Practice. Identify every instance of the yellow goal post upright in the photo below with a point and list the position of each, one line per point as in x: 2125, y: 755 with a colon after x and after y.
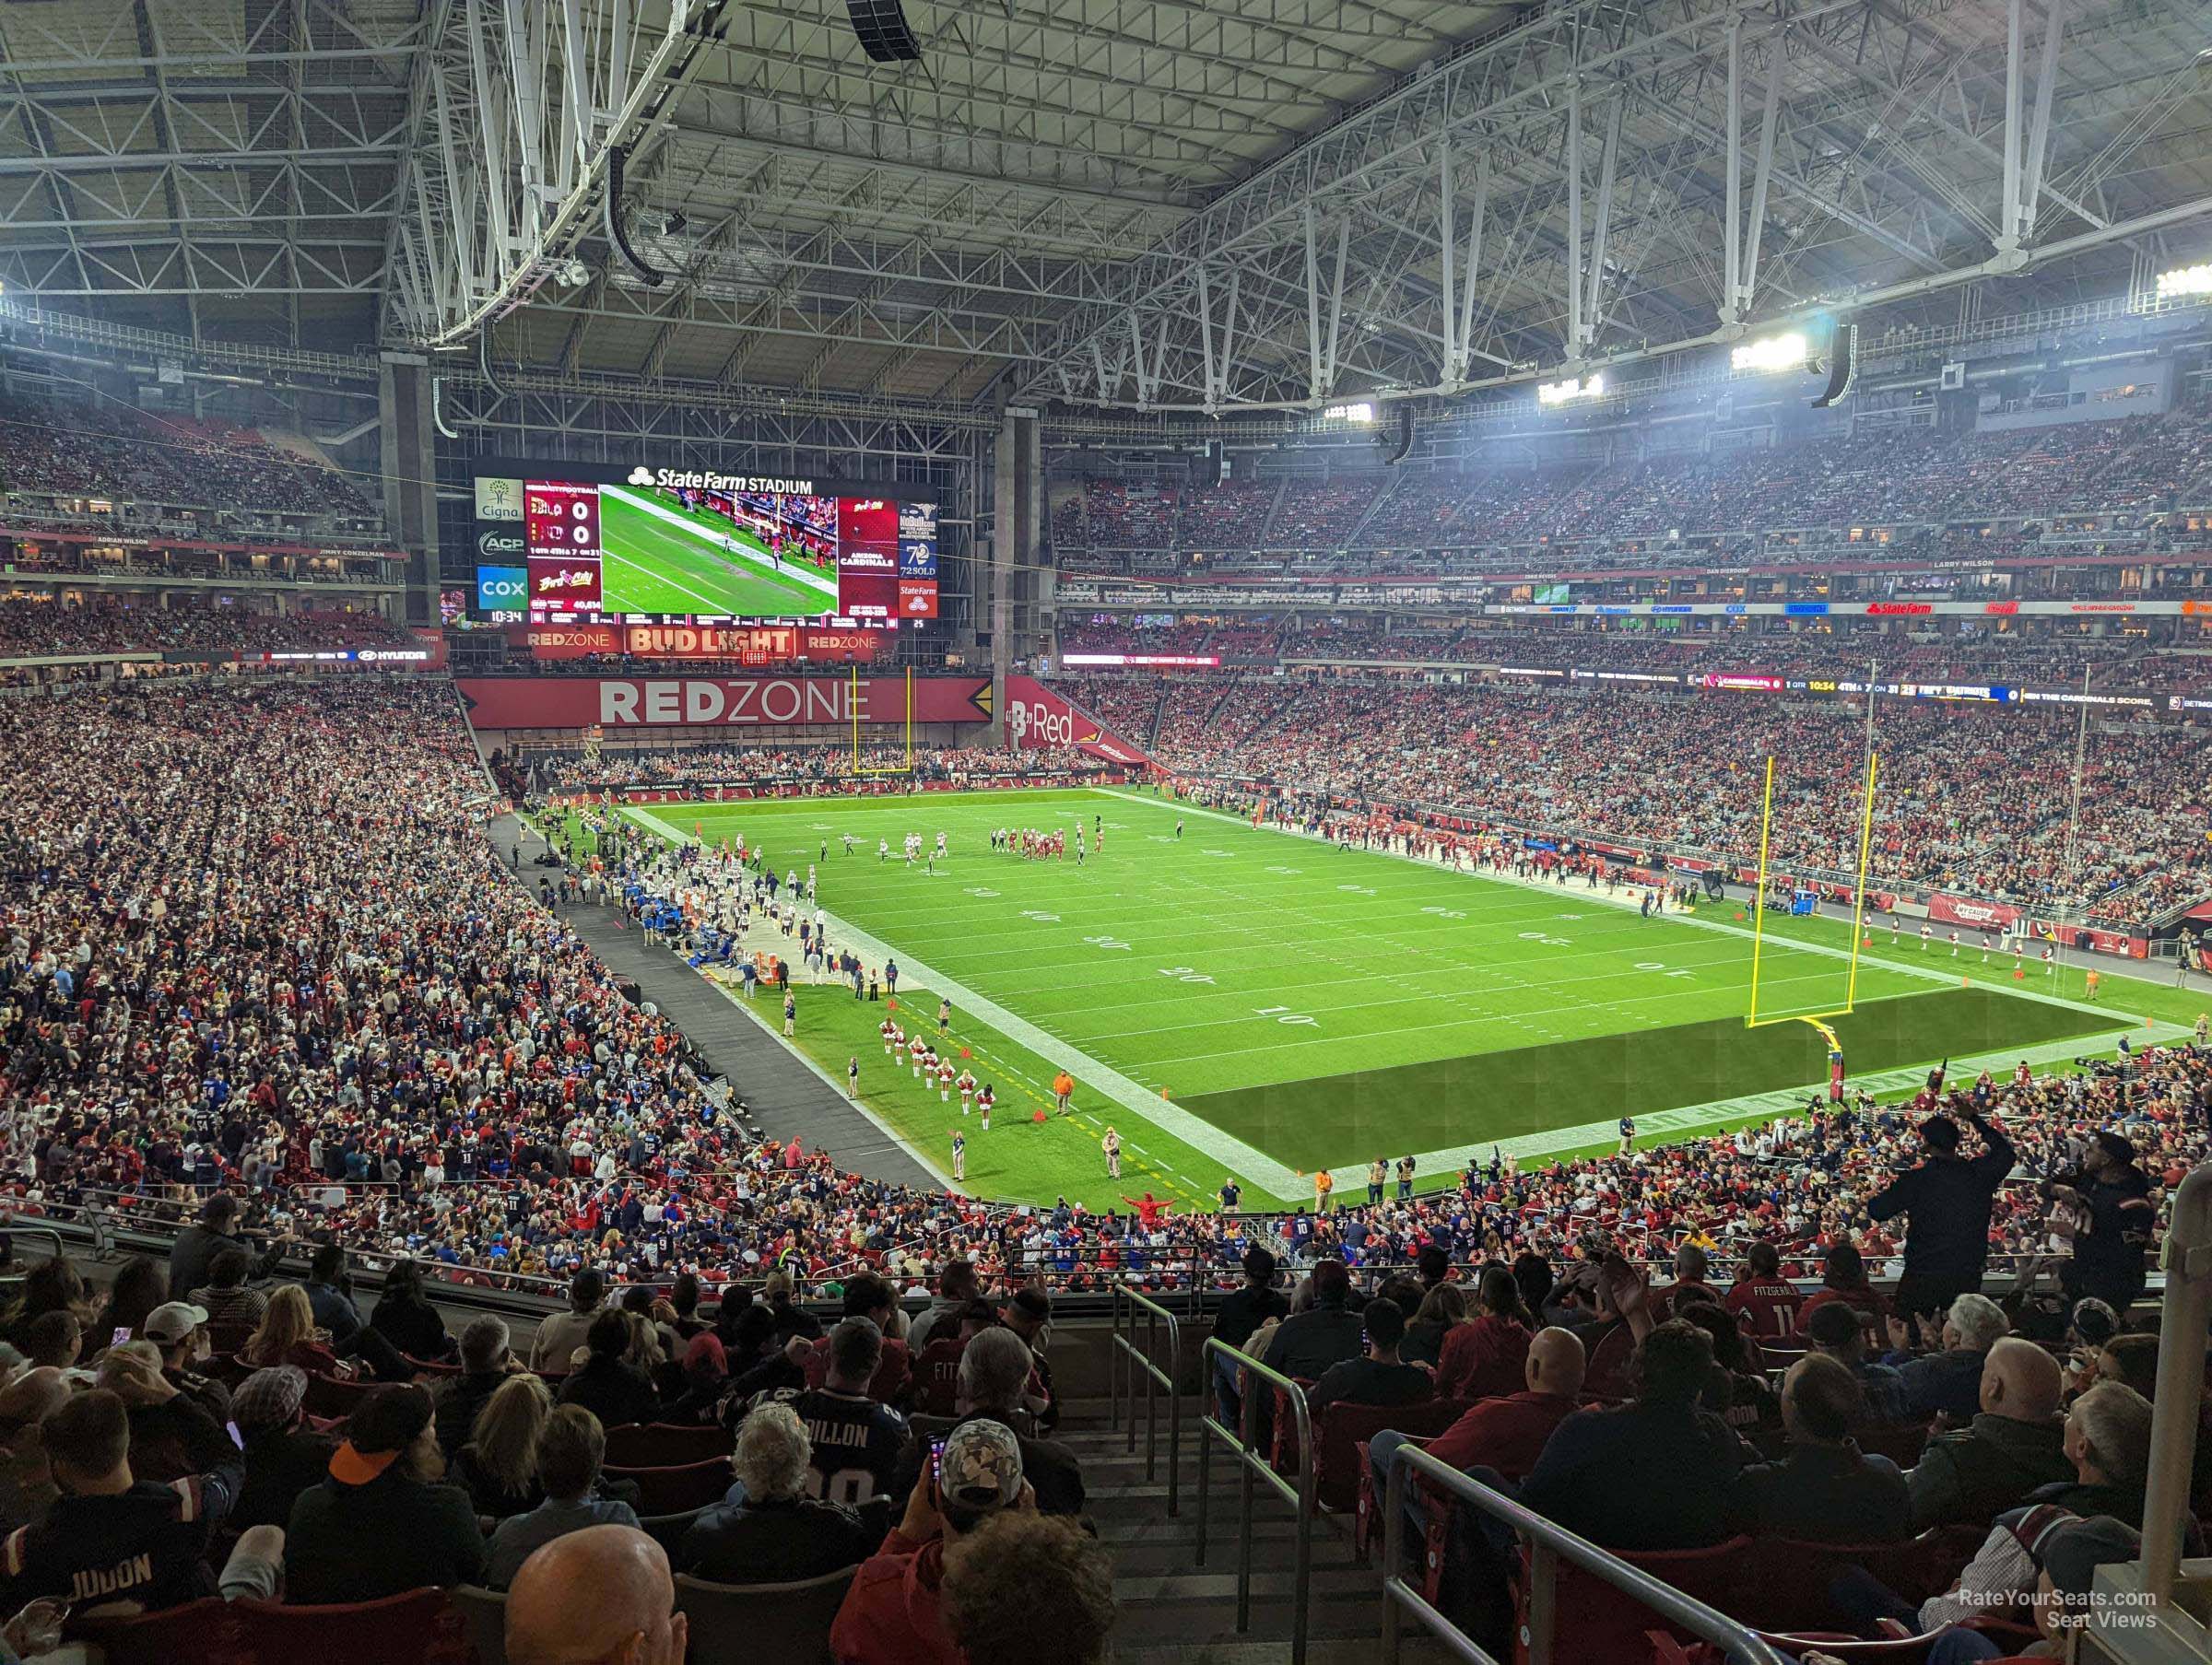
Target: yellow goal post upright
x: 1858, y: 909
x: 853, y: 706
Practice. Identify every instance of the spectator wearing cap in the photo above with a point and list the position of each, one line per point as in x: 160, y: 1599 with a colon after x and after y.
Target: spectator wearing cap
x: 2111, y: 1198
x: 770, y: 1531
x: 606, y: 1384
x: 1949, y: 1379
x: 197, y: 1245
x: 380, y: 1523
x: 995, y: 1374
x: 172, y: 1437
x: 570, y: 1448
x: 283, y: 1456
x: 485, y: 1364
x: 180, y: 1329
x: 1834, y: 1331
x: 1947, y: 1200
x: 601, y: 1596
x: 116, y: 1541
x: 891, y: 1615
x: 558, y: 1337
x: 1376, y: 1377
x: 1306, y: 1344
x: 1825, y: 1489
x: 2014, y: 1445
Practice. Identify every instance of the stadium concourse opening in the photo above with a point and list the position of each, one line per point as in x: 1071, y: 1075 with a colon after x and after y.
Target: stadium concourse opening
x: 1237, y: 1001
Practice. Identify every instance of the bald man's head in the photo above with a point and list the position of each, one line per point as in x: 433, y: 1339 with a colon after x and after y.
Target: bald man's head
x: 2022, y: 1381
x: 602, y: 1596
x: 1556, y: 1362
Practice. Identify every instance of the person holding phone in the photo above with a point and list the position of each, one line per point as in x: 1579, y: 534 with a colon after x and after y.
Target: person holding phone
x: 891, y: 1614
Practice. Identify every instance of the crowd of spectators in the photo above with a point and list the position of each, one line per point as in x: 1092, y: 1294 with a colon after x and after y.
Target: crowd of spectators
x: 2117, y: 471
x: 114, y: 452
x: 34, y: 628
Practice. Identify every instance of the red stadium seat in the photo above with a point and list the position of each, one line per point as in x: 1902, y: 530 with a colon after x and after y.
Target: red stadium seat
x: 327, y: 1396
x: 1344, y: 1430
x: 671, y: 1491
x: 199, y: 1633
x: 664, y: 1445
x: 419, y: 1626
x: 1593, y: 1621
x: 1282, y: 1449
x: 1607, y: 1374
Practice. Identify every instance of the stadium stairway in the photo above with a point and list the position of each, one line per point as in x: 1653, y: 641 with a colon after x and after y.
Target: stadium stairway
x: 1174, y: 1611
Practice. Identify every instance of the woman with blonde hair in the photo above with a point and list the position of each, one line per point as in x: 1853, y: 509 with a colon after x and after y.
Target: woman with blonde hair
x: 1440, y: 1309
x: 287, y: 1335
x: 499, y: 1465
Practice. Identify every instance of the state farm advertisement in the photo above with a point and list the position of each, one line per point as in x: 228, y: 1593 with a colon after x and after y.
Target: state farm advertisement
x: 917, y: 598
x: 1967, y: 910
x: 634, y: 702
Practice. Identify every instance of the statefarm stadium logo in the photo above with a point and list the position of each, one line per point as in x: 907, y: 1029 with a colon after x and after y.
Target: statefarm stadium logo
x: 694, y: 479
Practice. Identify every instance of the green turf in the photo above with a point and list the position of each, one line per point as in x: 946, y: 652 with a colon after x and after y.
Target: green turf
x: 1533, y: 1089
x: 1320, y: 1003
x: 652, y: 566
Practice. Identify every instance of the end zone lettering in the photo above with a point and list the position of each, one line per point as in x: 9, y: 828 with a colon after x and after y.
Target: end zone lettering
x: 695, y: 701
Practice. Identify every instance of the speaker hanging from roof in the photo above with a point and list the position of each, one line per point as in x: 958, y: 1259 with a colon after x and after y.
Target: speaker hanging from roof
x: 1843, y: 365
x: 1404, y: 445
x: 885, y: 34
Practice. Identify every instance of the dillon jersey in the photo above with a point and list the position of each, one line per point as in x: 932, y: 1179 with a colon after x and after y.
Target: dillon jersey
x: 856, y: 1441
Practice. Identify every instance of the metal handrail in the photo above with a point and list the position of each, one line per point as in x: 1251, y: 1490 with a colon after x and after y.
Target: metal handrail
x: 1122, y: 1367
x: 2187, y: 1259
x: 1255, y: 1464
x: 1547, y: 1543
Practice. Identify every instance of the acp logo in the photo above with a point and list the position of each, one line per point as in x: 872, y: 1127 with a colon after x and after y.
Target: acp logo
x: 640, y: 476
x: 498, y: 543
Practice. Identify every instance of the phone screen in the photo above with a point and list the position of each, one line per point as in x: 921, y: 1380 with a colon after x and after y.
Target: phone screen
x: 237, y: 1438
x: 122, y: 1334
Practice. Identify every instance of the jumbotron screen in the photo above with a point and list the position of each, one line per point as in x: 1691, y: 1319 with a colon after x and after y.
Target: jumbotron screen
x: 665, y: 544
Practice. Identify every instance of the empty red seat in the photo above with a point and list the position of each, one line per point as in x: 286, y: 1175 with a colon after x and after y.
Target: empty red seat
x: 1594, y: 1621
x: 418, y: 1625
x: 1344, y: 1430
x: 199, y: 1633
x: 672, y: 1490
x: 664, y: 1445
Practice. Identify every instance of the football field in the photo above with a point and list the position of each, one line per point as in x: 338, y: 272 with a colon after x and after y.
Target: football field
x: 662, y: 558
x: 1249, y: 1003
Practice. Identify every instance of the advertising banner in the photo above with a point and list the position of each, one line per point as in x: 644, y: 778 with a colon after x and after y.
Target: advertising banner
x: 1039, y: 716
x: 917, y: 598
x: 1967, y: 910
x: 633, y: 702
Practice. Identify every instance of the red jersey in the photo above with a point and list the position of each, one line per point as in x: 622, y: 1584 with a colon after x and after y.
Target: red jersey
x: 1767, y: 1307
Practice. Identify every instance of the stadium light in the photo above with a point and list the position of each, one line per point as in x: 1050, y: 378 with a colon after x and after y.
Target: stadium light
x: 2185, y: 280
x: 1562, y: 392
x: 1769, y: 354
x: 1361, y: 412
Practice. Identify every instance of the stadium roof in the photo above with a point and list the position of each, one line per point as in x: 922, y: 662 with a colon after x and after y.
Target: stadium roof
x: 1169, y: 203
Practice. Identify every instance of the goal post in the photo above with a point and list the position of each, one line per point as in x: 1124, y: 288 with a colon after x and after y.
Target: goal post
x: 1858, y: 906
x: 852, y: 706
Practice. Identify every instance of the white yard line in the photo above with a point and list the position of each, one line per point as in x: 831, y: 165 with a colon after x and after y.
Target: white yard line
x: 1246, y: 1161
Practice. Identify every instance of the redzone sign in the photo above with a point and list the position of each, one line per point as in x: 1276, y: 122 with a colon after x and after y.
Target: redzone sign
x: 577, y: 702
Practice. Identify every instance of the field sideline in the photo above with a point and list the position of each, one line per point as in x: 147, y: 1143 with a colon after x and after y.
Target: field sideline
x: 1250, y: 1002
